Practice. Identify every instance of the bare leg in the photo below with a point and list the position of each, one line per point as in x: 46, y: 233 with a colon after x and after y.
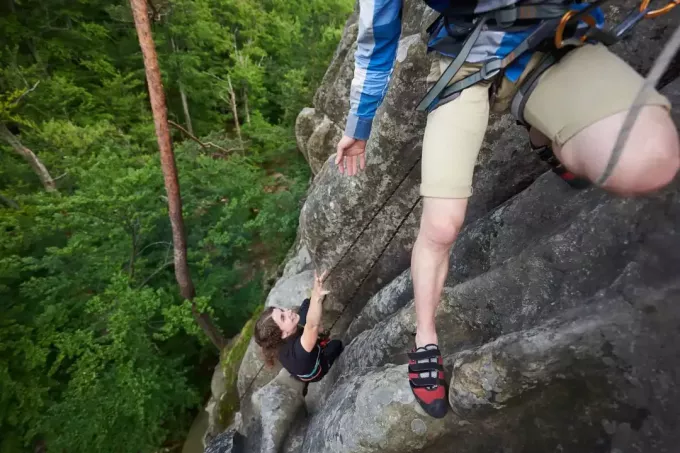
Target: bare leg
x: 439, y: 226
x: 650, y: 158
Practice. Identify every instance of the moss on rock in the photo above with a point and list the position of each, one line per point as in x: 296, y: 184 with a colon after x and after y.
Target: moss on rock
x: 230, y: 360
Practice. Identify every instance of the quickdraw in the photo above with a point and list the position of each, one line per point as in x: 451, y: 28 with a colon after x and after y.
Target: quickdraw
x: 607, y: 38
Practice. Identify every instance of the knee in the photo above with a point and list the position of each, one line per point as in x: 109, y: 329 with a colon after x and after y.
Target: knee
x: 439, y: 227
x: 651, y: 157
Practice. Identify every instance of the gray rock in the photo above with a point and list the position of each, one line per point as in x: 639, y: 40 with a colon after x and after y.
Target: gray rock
x: 534, y: 390
x: 253, y: 373
x: 374, y: 411
x: 296, y: 436
x: 385, y: 303
x: 298, y: 263
x: 230, y: 441
x: 339, y: 212
x: 559, y: 311
x: 317, y: 137
x: 290, y: 292
x: 305, y: 124
x: 349, y: 223
x: 274, y: 408
x: 214, y: 424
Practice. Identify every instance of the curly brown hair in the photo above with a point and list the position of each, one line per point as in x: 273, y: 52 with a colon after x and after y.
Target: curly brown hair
x: 268, y: 336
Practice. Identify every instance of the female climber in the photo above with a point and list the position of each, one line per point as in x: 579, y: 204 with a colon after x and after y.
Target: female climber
x: 296, y: 339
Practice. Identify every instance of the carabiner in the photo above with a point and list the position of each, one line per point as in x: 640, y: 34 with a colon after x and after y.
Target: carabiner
x: 559, y: 33
x: 644, y: 7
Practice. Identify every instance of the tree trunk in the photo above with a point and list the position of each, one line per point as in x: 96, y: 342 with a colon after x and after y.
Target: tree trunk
x: 160, y: 115
x: 30, y: 157
x: 235, y: 112
x: 245, y: 104
x: 185, y: 106
x: 183, y: 96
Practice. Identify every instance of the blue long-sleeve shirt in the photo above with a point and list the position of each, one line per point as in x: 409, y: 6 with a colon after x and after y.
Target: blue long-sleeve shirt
x: 377, y: 42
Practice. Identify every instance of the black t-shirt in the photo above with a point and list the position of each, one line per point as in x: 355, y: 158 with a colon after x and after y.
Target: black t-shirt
x: 293, y: 356
x: 304, y: 308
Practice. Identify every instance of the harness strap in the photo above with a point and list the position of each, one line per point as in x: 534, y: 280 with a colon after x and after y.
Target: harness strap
x: 492, y: 68
x: 455, y: 65
x: 316, y: 371
x: 428, y: 381
x: 551, y: 16
x: 525, y: 89
x: 425, y: 366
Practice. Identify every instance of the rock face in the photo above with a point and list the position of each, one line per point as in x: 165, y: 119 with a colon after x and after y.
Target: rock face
x: 363, y: 228
x: 271, y: 413
x: 230, y: 441
x: 559, y: 315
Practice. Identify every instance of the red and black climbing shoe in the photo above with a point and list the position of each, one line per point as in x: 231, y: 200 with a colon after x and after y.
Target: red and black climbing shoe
x: 426, y: 377
x: 546, y: 154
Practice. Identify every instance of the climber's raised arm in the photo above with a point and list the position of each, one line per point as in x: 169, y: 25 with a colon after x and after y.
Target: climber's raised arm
x: 313, y: 322
x: 377, y: 42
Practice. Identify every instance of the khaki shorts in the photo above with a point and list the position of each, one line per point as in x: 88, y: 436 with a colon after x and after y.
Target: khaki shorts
x: 587, y: 85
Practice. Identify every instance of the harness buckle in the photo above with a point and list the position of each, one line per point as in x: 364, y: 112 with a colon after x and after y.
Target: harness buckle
x: 560, y: 42
x: 490, y: 69
x: 644, y: 8
x: 506, y: 17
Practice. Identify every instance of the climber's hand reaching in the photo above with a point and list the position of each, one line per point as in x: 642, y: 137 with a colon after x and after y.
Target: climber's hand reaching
x: 351, y: 155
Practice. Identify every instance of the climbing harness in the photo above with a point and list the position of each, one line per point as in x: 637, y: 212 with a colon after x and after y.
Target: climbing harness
x: 548, y: 17
x: 558, y: 32
x: 551, y: 24
x: 563, y: 46
x: 316, y: 372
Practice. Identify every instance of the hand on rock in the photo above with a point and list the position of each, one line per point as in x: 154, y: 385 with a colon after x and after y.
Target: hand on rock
x: 351, y: 155
x: 317, y: 291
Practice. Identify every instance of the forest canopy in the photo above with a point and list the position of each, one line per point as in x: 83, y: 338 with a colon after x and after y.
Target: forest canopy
x: 98, y: 352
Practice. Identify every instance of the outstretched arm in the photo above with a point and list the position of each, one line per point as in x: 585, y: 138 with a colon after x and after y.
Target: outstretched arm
x: 379, y: 32
x: 313, y: 325
x: 377, y: 42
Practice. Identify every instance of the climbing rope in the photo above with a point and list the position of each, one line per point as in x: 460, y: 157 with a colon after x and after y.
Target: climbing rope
x: 658, y: 69
x: 370, y: 269
x: 351, y: 246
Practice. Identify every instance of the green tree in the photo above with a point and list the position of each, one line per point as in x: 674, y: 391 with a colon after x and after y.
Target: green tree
x: 97, y: 350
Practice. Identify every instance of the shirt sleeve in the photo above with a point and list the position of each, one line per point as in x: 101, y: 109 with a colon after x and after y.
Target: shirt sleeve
x: 377, y: 43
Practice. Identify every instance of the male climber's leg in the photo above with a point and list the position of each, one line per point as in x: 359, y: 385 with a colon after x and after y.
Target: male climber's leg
x: 581, y: 103
x: 649, y: 160
x: 453, y: 138
x: 440, y: 223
